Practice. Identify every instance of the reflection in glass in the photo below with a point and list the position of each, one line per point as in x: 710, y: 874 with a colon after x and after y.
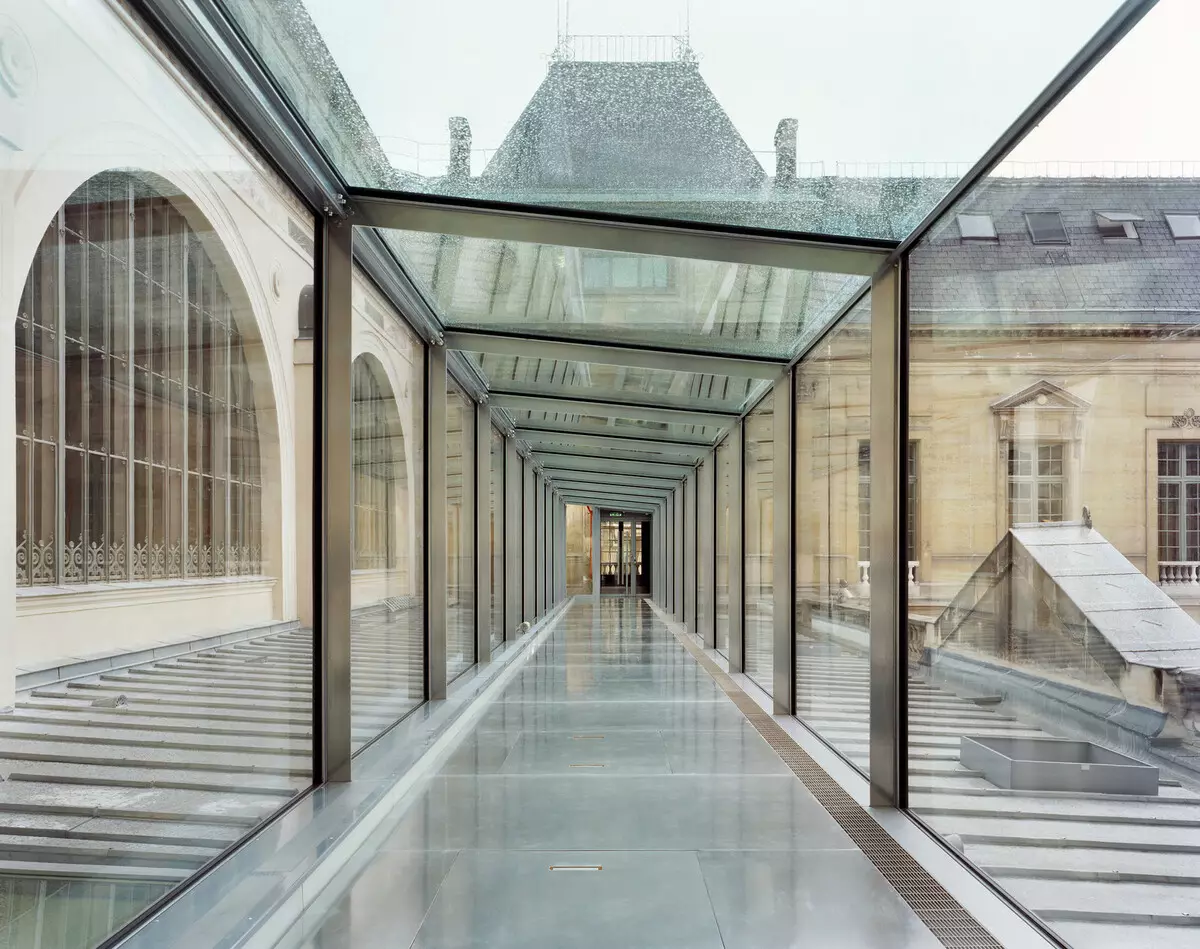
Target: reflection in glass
x: 579, y: 549
x: 727, y: 520
x: 460, y: 531
x: 531, y: 288
x: 1053, y: 609
x: 758, y: 440
x: 386, y: 584
x: 832, y: 531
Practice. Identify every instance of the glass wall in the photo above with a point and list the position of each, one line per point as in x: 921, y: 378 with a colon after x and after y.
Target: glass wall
x: 727, y: 520
x: 579, y: 549
x: 387, y: 623
x: 460, y: 531
x: 758, y: 439
x: 832, y: 419
x: 1054, y: 481
x: 497, y: 537
x: 157, y: 455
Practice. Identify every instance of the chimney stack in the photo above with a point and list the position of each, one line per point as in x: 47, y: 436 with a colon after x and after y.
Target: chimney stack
x: 460, y: 149
x: 785, y: 151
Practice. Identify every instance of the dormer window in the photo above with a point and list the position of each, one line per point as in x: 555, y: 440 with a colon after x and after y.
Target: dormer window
x: 1046, y: 227
x: 1184, y: 227
x: 977, y: 227
x: 1117, y: 225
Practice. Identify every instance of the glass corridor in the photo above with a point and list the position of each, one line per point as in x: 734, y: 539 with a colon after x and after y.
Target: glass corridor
x: 685, y: 423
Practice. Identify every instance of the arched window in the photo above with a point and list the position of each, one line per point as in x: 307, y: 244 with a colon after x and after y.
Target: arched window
x: 379, y: 470
x: 137, y: 440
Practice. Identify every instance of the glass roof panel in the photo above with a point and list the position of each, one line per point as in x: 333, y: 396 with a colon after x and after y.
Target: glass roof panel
x: 630, y: 299
x: 852, y: 117
x: 568, y: 378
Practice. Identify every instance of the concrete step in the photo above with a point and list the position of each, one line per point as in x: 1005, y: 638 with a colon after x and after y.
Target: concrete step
x: 152, y: 755
x: 148, y: 803
x: 1085, y: 900
x: 1064, y: 833
x: 1098, y: 863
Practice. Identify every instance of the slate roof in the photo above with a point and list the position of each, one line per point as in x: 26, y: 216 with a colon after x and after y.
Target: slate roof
x: 1152, y: 280
x: 624, y: 127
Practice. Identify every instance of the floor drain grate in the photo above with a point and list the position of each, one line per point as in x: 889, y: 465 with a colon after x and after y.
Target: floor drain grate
x: 953, y: 926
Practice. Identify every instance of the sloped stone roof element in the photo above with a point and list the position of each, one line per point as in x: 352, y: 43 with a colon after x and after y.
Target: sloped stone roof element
x: 625, y: 127
x: 1137, y: 618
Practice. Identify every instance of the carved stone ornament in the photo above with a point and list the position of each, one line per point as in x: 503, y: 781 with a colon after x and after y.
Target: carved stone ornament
x: 18, y: 74
x: 1189, y: 419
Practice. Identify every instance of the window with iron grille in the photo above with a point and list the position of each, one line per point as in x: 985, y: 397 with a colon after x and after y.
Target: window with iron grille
x: 864, y: 501
x: 1179, y: 501
x: 1036, y: 482
x: 137, y: 448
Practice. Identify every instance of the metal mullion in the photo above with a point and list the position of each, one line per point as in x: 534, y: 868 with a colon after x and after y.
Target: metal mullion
x: 537, y: 426
x: 513, y: 528
x: 565, y: 392
x: 689, y: 552
x: 532, y: 433
x: 333, y: 503
x: 889, y: 589
x: 599, y: 477
x: 483, y: 534
x: 737, y: 554
x: 567, y: 460
x: 783, y: 586
x: 690, y: 457
x: 60, y: 454
x: 436, y: 569
x: 602, y: 408
x: 593, y: 230
x: 550, y: 346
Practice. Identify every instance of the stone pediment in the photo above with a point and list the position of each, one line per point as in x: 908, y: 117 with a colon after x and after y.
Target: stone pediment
x: 1042, y: 394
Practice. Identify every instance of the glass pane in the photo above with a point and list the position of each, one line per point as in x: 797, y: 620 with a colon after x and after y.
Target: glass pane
x: 159, y: 534
x: 759, y: 539
x: 460, y: 531
x: 1051, y: 647
x: 629, y: 109
x: 387, y: 627
x: 833, y: 559
x: 535, y: 289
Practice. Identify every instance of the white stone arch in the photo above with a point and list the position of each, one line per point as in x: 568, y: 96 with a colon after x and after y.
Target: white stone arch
x: 78, y: 154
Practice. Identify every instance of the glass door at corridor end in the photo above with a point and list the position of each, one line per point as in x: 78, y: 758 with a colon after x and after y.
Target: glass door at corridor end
x: 624, y: 568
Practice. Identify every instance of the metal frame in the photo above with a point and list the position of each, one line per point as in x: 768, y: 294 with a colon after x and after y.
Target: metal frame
x: 593, y: 230
x: 601, y: 408
x: 690, y: 571
x: 737, y: 553
x: 506, y: 342
x: 513, y: 536
x: 706, y: 549
x: 528, y: 541
x: 536, y: 437
x: 541, y: 446
x: 569, y: 462
x: 563, y: 427
x: 599, y: 477
x: 333, y: 505
x: 889, y: 587
x: 618, y: 397
x: 483, y: 533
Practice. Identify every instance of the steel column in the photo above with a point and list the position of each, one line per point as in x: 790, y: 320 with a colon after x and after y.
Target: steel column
x: 783, y: 584
x: 737, y: 555
x: 436, y: 569
x: 706, y: 514
x: 678, y: 502
x: 513, y: 532
x: 528, y: 542
x: 483, y: 533
x: 333, y: 507
x: 889, y: 589
x: 689, y: 552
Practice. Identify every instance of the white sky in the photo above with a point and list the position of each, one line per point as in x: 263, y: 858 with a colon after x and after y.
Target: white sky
x: 868, y: 80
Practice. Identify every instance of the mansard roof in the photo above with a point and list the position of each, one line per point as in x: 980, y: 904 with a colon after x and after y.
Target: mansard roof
x: 625, y: 128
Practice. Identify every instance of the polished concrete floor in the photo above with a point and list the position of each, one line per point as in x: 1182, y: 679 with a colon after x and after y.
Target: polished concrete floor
x: 614, y: 797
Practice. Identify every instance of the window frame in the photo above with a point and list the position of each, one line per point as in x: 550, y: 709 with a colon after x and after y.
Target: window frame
x: 1035, y: 479
x: 992, y: 238
x: 1183, y: 238
x: 1033, y: 236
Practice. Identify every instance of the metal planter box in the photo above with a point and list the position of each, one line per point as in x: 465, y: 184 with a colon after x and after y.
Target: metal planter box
x: 1053, y: 764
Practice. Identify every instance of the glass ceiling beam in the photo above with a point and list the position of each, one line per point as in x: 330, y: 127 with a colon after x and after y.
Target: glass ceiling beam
x: 613, y: 494
x: 585, y: 440
x: 634, y: 504
x: 667, y: 456
x: 562, y: 428
x: 594, y: 230
x: 592, y: 478
x: 611, y: 465
x: 620, y: 397
x: 602, y: 409
x: 640, y: 357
